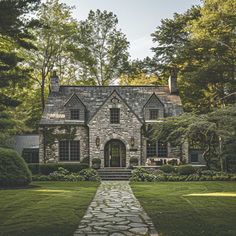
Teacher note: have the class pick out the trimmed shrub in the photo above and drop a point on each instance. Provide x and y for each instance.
(133, 161)
(167, 168)
(89, 175)
(186, 170)
(96, 163)
(13, 169)
(34, 168)
(46, 169)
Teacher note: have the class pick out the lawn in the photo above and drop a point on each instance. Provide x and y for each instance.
(50, 209)
(211, 210)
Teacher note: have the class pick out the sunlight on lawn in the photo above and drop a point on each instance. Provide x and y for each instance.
(217, 194)
(52, 190)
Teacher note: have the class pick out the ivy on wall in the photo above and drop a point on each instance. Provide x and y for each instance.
(52, 134)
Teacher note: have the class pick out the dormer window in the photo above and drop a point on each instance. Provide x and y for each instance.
(153, 114)
(74, 114)
(114, 115)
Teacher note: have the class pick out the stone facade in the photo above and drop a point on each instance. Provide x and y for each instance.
(128, 128)
(98, 136)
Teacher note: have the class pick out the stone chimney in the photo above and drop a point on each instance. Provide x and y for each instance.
(173, 83)
(54, 82)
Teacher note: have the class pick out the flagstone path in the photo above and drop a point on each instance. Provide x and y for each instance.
(115, 211)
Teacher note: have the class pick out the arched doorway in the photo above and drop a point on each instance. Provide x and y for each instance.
(115, 154)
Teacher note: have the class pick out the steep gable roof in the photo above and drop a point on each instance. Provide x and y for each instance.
(73, 97)
(118, 95)
(94, 96)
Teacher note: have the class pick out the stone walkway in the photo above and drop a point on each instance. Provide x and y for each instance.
(115, 211)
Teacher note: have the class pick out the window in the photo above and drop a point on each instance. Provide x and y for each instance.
(153, 114)
(74, 114)
(31, 155)
(114, 115)
(151, 149)
(162, 149)
(69, 150)
(194, 157)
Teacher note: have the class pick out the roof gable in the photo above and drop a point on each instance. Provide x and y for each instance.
(92, 97)
(153, 101)
(112, 96)
(73, 100)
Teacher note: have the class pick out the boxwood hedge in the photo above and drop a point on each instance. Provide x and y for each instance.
(13, 169)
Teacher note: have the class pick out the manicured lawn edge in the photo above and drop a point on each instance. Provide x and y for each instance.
(174, 212)
(51, 209)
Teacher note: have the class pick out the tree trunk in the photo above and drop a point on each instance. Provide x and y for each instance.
(43, 93)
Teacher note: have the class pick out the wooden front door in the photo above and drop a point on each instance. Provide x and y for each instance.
(115, 154)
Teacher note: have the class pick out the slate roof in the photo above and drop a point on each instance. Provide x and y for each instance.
(94, 96)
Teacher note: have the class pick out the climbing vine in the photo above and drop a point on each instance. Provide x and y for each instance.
(52, 134)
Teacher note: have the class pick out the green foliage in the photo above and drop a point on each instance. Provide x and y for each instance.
(199, 46)
(63, 174)
(213, 133)
(133, 161)
(185, 173)
(89, 175)
(101, 49)
(143, 175)
(167, 168)
(13, 169)
(96, 161)
(186, 170)
(46, 169)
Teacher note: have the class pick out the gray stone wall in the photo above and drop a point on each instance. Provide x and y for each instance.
(52, 153)
(129, 127)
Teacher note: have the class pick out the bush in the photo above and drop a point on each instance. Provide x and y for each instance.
(173, 162)
(13, 169)
(34, 168)
(96, 163)
(186, 170)
(143, 175)
(133, 161)
(46, 169)
(167, 168)
(209, 172)
(85, 160)
(89, 175)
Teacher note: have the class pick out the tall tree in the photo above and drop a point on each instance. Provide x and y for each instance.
(199, 45)
(14, 35)
(52, 39)
(101, 48)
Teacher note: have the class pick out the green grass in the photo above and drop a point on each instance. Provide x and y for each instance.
(174, 213)
(51, 209)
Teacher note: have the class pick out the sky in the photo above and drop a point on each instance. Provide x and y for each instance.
(138, 19)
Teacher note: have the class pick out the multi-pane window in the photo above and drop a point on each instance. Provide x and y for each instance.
(153, 114)
(157, 149)
(114, 115)
(69, 150)
(162, 149)
(194, 157)
(151, 149)
(74, 150)
(31, 155)
(74, 114)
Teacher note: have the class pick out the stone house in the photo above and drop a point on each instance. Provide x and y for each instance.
(107, 122)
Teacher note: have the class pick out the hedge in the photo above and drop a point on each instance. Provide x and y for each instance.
(46, 169)
(13, 169)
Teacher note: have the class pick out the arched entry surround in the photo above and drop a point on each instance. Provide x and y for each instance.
(114, 153)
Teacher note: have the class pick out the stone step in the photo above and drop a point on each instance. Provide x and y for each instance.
(114, 174)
